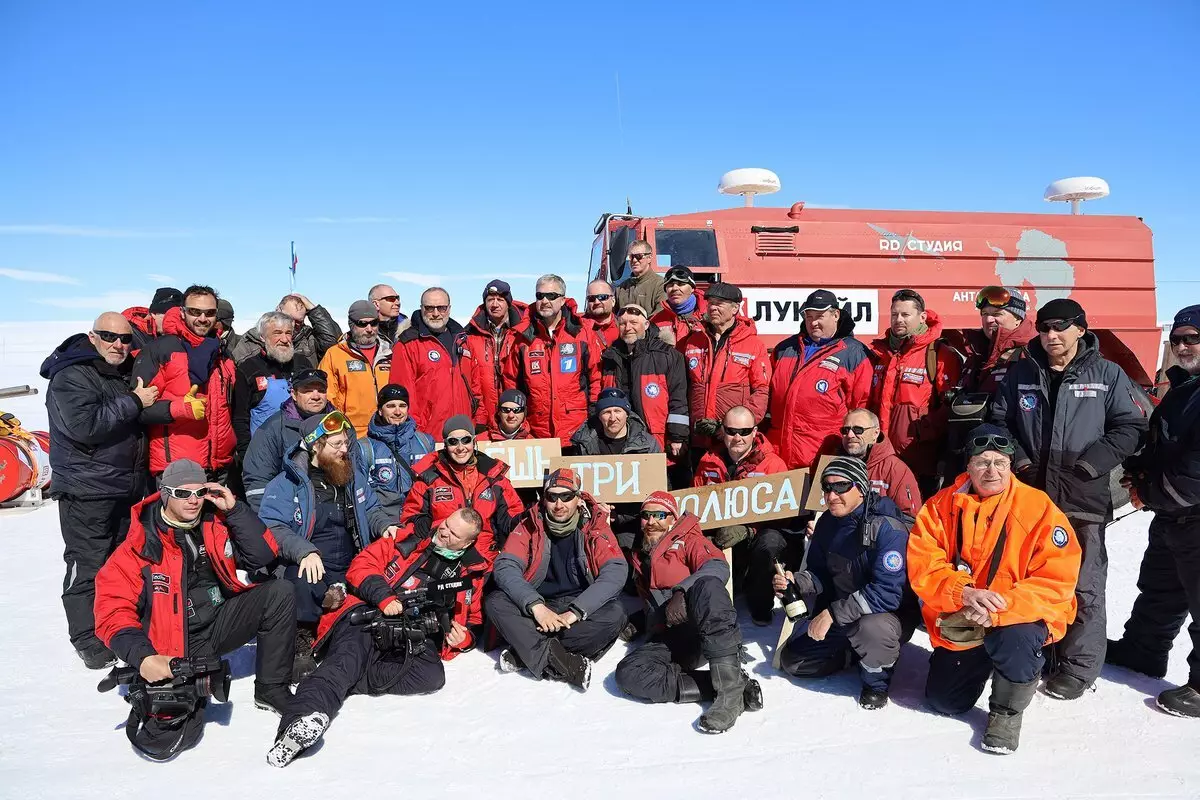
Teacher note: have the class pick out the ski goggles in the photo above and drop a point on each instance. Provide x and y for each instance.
(185, 494)
(1001, 444)
(1058, 325)
(994, 296)
(331, 423)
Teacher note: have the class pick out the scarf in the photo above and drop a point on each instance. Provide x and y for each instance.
(896, 343)
(174, 523)
(684, 308)
(447, 553)
(560, 529)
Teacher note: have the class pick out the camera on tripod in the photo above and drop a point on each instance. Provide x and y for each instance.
(427, 613)
(192, 681)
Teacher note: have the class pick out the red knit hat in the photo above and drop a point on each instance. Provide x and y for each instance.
(562, 478)
(663, 499)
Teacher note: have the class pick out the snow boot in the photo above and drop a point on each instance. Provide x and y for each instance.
(297, 737)
(730, 684)
(1007, 704)
(96, 656)
(272, 698)
(689, 690)
(1183, 701)
(1065, 687)
(303, 662)
(570, 667)
(872, 699)
(752, 696)
(509, 661)
(1121, 653)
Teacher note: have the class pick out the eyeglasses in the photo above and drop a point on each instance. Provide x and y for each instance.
(598, 298)
(1190, 339)
(391, 298)
(365, 323)
(1058, 325)
(438, 309)
(998, 464)
(455, 441)
(992, 442)
(560, 497)
(511, 410)
(836, 487)
(649, 515)
(551, 296)
(737, 431)
(330, 424)
(858, 430)
(110, 337)
(185, 494)
(994, 296)
(638, 256)
(207, 313)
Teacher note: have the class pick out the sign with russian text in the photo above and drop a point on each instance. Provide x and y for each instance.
(744, 502)
(618, 479)
(780, 310)
(528, 459)
(816, 498)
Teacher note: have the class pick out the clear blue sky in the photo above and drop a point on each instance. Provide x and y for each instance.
(151, 143)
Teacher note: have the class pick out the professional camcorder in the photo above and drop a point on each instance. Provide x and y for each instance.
(427, 613)
(193, 680)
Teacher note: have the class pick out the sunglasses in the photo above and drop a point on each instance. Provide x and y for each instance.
(548, 295)
(1058, 325)
(994, 296)
(906, 295)
(330, 424)
(438, 309)
(649, 515)
(598, 298)
(836, 487)
(186, 494)
(110, 337)
(638, 256)
(455, 441)
(992, 442)
(1189, 339)
(391, 298)
(511, 410)
(560, 497)
(858, 430)
(737, 431)
(207, 313)
(365, 323)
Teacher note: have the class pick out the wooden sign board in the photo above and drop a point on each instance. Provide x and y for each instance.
(816, 500)
(744, 502)
(618, 479)
(528, 459)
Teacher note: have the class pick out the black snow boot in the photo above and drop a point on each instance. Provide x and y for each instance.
(303, 662)
(96, 656)
(272, 698)
(752, 695)
(1121, 653)
(509, 662)
(872, 699)
(730, 683)
(570, 667)
(1007, 703)
(297, 737)
(690, 691)
(1065, 687)
(1181, 702)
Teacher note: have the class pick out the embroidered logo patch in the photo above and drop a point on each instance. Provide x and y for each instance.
(568, 364)
(228, 549)
(435, 355)
(893, 561)
(693, 362)
(355, 365)
(261, 383)
(566, 349)
(741, 360)
(391, 569)
(160, 583)
(1028, 402)
(298, 517)
(384, 474)
(442, 494)
(486, 494)
(652, 390)
(1060, 537)
(411, 583)
(822, 386)
(535, 368)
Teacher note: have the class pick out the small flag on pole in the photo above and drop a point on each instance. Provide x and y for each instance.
(294, 259)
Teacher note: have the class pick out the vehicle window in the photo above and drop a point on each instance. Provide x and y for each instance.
(685, 248)
(619, 242)
(596, 270)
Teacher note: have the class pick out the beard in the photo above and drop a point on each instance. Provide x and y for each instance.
(280, 354)
(337, 468)
(364, 339)
(1191, 363)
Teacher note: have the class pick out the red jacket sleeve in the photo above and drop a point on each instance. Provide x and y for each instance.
(366, 570)
(119, 587)
(858, 389)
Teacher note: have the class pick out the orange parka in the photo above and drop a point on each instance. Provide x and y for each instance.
(1036, 575)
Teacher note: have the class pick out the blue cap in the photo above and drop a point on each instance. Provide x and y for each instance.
(613, 398)
(1188, 316)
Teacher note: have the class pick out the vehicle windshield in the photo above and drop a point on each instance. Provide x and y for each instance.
(619, 242)
(595, 263)
(685, 248)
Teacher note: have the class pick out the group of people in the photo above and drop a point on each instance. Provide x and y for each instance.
(326, 494)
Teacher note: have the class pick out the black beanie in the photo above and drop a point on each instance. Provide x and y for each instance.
(393, 391)
(165, 299)
(1063, 308)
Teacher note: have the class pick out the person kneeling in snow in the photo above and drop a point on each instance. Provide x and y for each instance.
(854, 584)
(174, 594)
(681, 576)
(413, 599)
(995, 563)
(559, 582)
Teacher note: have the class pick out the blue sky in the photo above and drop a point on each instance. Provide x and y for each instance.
(144, 144)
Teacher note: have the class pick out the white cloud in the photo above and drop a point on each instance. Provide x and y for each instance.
(425, 279)
(91, 231)
(29, 276)
(109, 301)
(352, 220)
(154, 276)
(416, 278)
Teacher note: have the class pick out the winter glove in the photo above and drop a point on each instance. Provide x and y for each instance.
(334, 597)
(190, 406)
(707, 427)
(677, 609)
(729, 535)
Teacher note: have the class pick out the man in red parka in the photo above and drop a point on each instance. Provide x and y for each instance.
(194, 376)
(682, 312)
(819, 374)
(914, 371)
(431, 355)
(555, 361)
(489, 340)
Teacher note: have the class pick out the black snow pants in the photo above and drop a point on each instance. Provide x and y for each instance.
(957, 677)
(91, 529)
(589, 638)
(1081, 651)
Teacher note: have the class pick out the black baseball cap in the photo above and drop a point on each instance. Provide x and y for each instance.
(307, 376)
(820, 300)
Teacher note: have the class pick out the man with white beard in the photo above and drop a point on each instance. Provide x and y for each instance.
(261, 386)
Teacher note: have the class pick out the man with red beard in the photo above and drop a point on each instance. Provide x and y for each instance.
(322, 511)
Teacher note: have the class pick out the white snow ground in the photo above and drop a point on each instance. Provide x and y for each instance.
(500, 736)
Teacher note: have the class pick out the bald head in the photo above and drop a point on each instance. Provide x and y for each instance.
(112, 321)
(111, 326)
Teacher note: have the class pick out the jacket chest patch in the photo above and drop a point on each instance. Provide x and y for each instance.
(1028, 402)
(567, 365)
(434, 355)
(384, 474)
(893, 561)
(360, 496)
(390, 571)
(830, 364)
(486, 494)
(652, 390)
(160, 583)
(742, 359)
(356, 365)
(535, 367)
(1087, 389)
(822, 386)
(298, 517)
(1060, 537)
(261, 383)
(913, 375)
(443, 494)
(566, 349)
(676, 546)
(693, 362)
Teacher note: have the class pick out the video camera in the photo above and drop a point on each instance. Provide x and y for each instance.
(427, 613)
(192, 680)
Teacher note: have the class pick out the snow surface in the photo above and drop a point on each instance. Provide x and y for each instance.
(489, 735)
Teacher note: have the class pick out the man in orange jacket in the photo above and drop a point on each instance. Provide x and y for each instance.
(995, 563)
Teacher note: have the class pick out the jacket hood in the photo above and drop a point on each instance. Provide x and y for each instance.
(1006, 340)
(479, 321)
(881, 451)
(75, 349)
(532, 326)
(933, 331)
(416, 326)
(140, 318)
(378, 429)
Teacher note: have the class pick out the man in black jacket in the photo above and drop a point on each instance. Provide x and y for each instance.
(262, 381)
(1165, 478)
(1074, 417)
(98, 454)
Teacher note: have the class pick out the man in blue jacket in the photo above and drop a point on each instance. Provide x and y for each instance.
(278, 436)
(392, 446)
(322, 512)
(854, 585)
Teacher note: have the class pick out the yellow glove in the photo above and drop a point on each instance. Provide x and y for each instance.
(190, 406)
